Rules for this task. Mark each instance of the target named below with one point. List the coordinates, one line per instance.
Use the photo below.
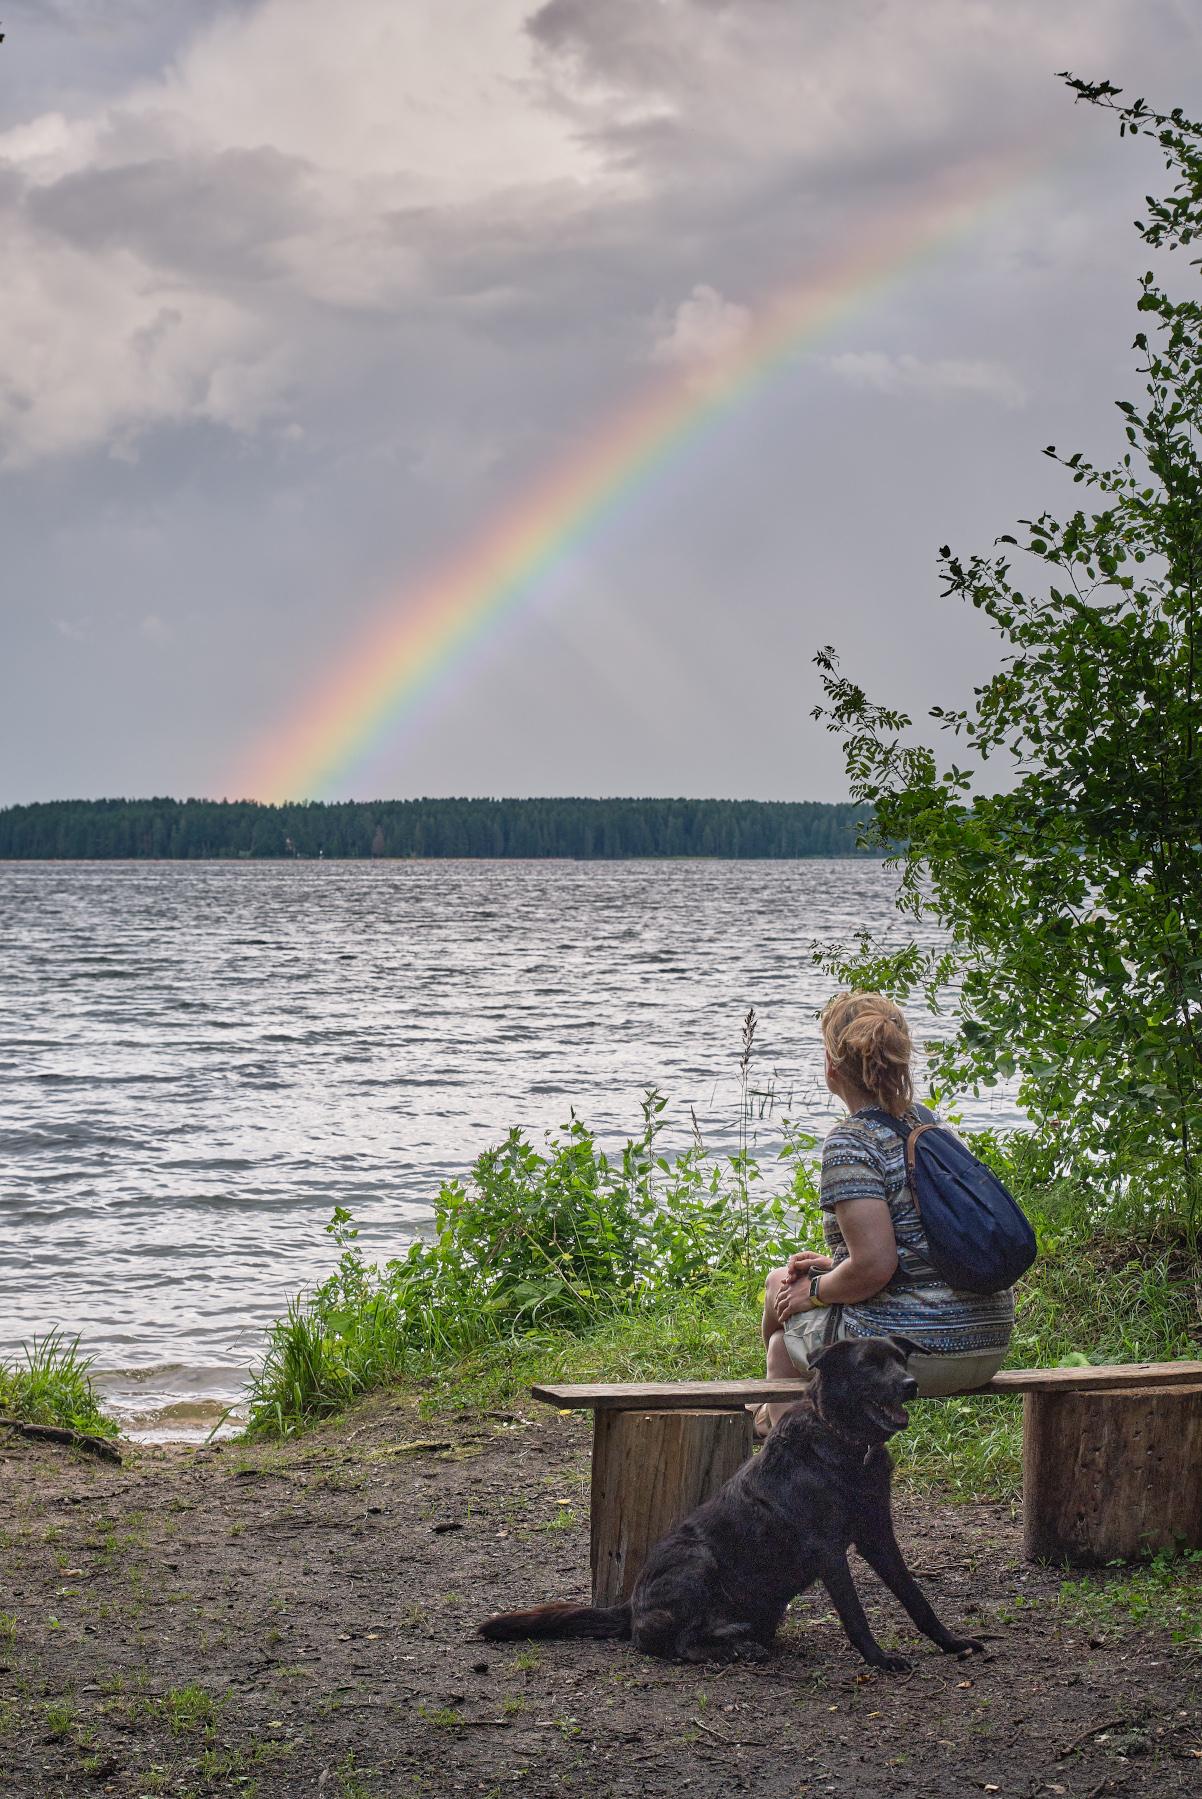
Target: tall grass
(539, 1250)
(566, 1264)
(51, 1383)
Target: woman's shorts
(808, 1332)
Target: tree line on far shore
(587, 829)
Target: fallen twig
(1093, 1731)
(734, 1742)
(75, 1439)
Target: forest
(583, 829)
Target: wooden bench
(1112, 1459)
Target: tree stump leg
(650, 1469)
(1111, 1476)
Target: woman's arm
(807, 1262)
(867, 1230)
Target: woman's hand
(806, 1262)
(793, 1298)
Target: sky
(302, 303)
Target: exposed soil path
(297, 1620)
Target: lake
(201, 1059)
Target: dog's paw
(891, 1664)
(963, 1647)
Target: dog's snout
(909, 1387)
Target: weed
(190, 1708)
(60, 1718)
(528, 1659)
(446, 1717)
(351, 1778)
(512, 1704)
(53, 1385)
(219, 1764)
(8, 1626)
(1166, 1594)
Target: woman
(877, 1280)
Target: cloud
(171, 245)
(725, 83)
(204, 244)
(703, 328)
(911, 374)
(98, 343)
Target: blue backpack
(978, 1237)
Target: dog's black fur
(719, 1583)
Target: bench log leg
(650, 1469)
(1111, 1476)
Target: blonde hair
(868, 1039)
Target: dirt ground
(266, 1620)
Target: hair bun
(867, 1037)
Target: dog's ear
(907, 1347)
(813, 1358)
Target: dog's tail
(563, 1619)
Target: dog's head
(860, 1386)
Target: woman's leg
(781, 1366)
(772, 1287)
(779, 1363)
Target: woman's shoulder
(855, 1132)
(869, 1128)
(850, 1144)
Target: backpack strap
(909, 1135)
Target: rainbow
(402, 660)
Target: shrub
(535, 1244)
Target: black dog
(719, 1583)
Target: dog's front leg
(879, 1547)
(836, 1578)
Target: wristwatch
(816, 1298)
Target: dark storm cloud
(299, 297)
(217, 216)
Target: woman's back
(863, 1159)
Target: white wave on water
(174, 1402)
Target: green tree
(1072, 896)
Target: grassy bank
(566, 1264)
(51, 1384)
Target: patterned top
(864, 1159)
